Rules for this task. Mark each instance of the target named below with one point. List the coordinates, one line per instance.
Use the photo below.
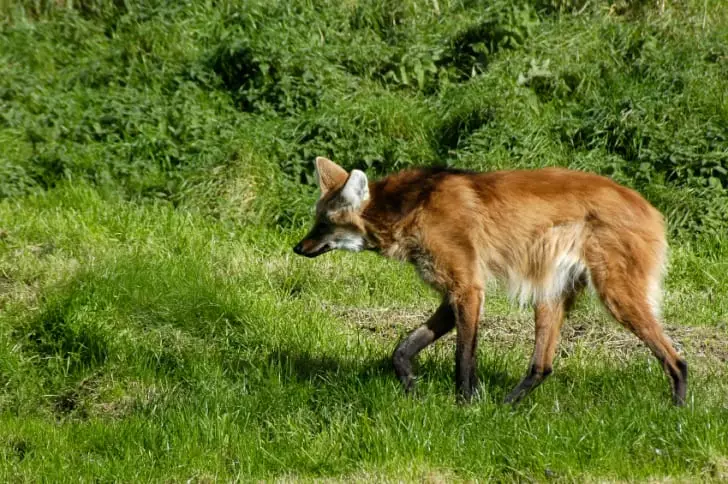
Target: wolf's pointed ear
(356, 189)
(329, 175)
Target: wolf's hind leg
(549, 317)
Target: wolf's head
(338, 223)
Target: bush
(155, 100)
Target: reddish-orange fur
(547, 233)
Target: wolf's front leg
(438, 325)
(467, 305)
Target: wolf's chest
(423, 262)
(426, 269)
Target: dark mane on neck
(397, 195)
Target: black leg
(438, 325)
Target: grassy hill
(156, 167)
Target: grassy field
(156, 163)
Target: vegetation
(156, 168)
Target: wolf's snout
(298, 249)
(311, 248)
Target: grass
(150, 343)
(156, 171)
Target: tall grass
(148, 98)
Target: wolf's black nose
(297, 249)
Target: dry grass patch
(704, 345)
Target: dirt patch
(390, 324)
(134, 396)
(102, 396)
(427, 476)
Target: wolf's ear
(356, 189)
(329, 175)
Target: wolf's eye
(321, 228)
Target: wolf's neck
(388, 216)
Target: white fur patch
(349, 241)
(654, 284)
(567, 270)
(564, 267)
(356, 189)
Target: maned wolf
(546, 233)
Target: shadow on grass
(300, 366)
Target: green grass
(150, 343)
(155, 171)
